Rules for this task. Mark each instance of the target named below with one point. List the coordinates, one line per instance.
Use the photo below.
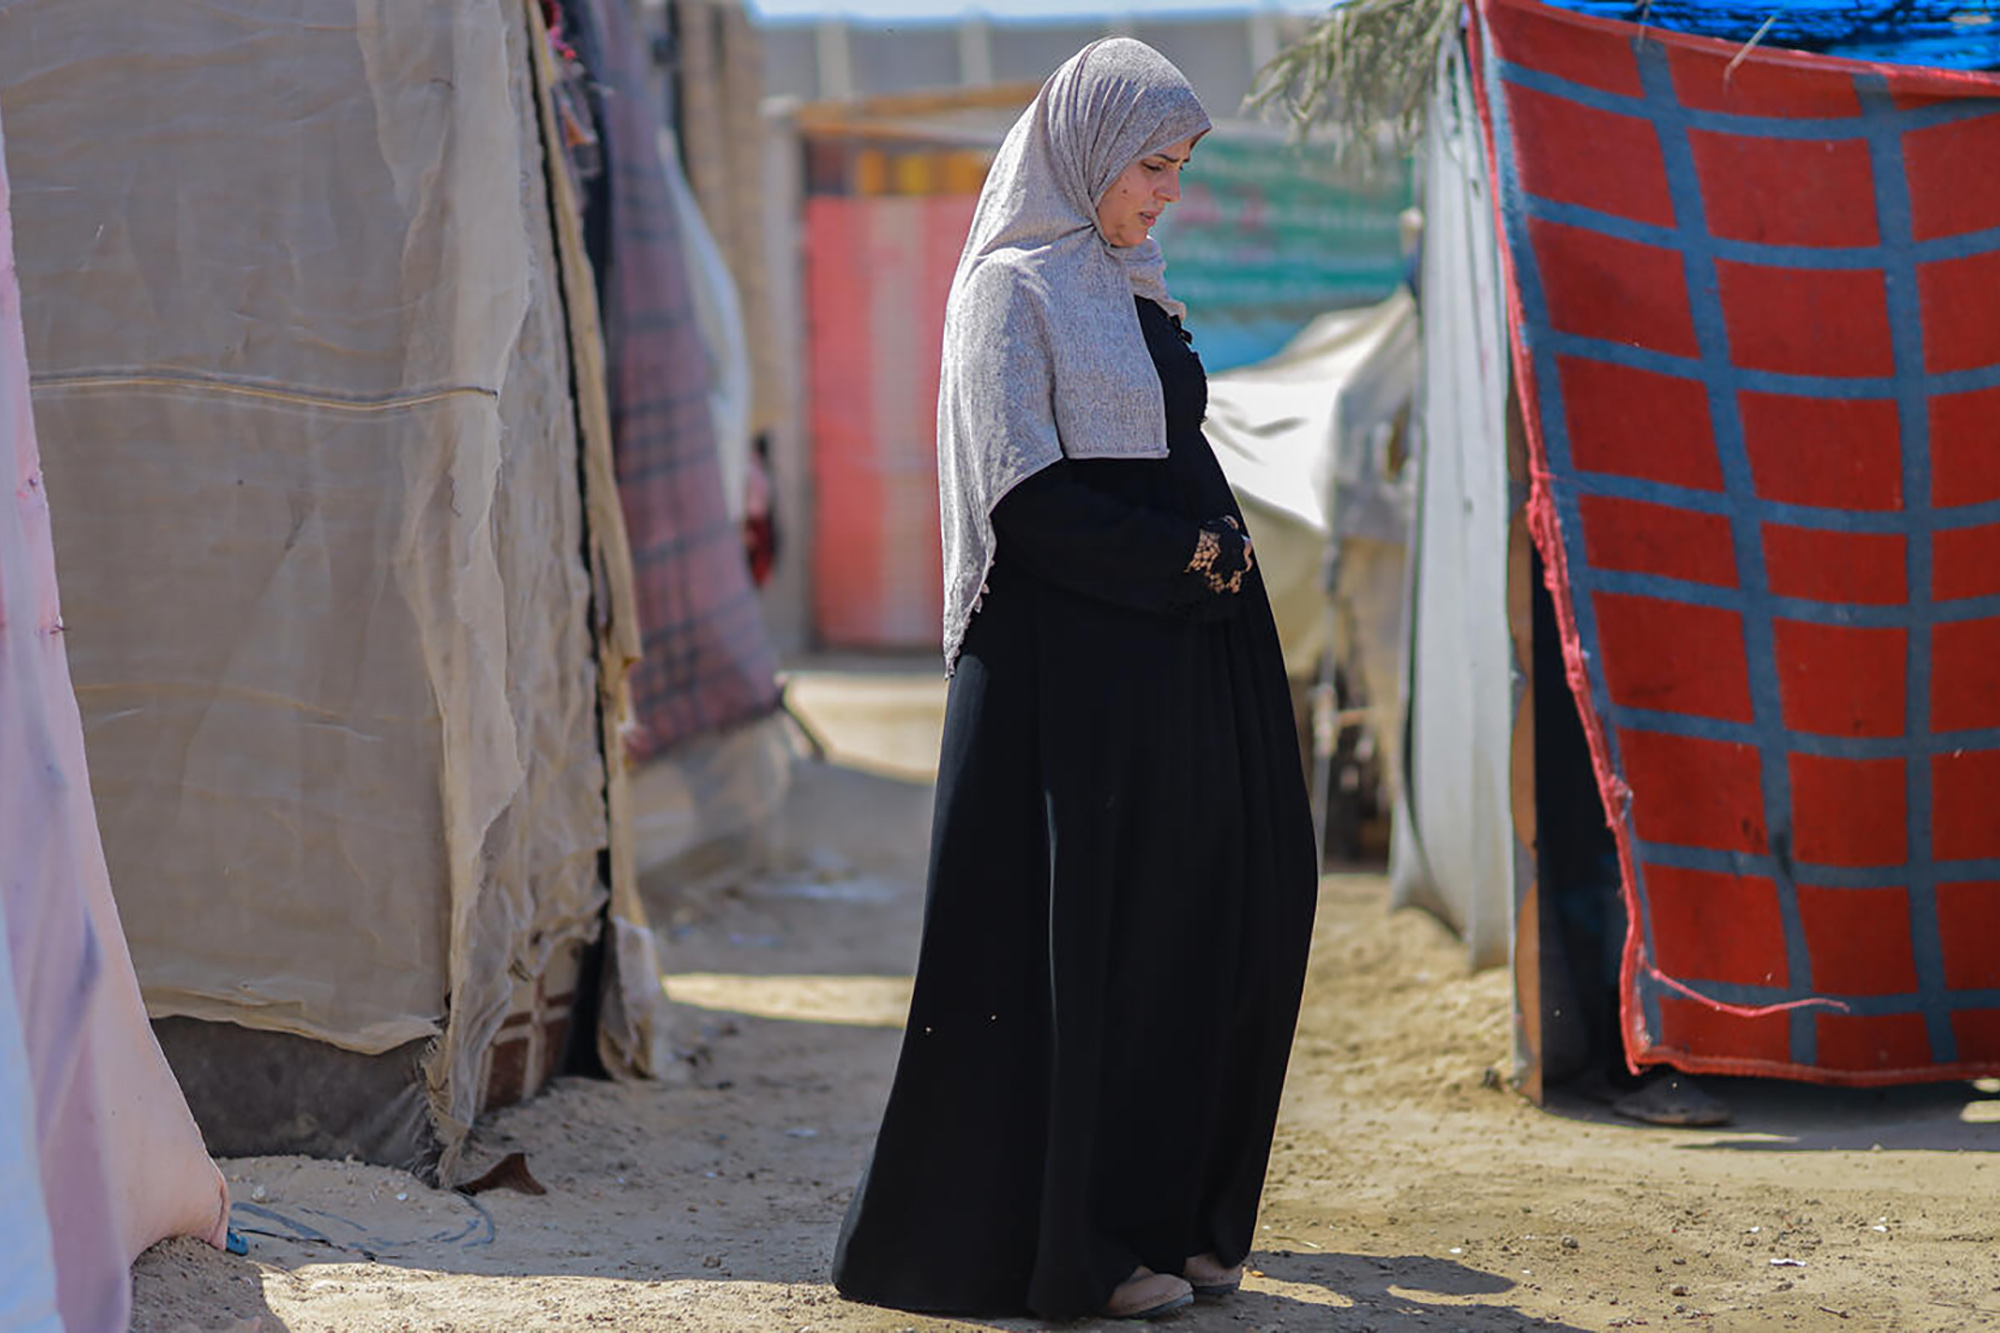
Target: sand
(1410, 1187)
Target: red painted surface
(878, 270)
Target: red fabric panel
(1838, 954)
(1674, 656)
(1841, 680)
(1717, 786)
(1694, 1028)
(1636, 423)
(1623, 174)
(1965, 562)
(1765, 190)
(1849, 812)
(1867, 568)
(1969, 924)
(1860, 940)
(1965, 447)
(1965, 679)
(1947, 199)
(1643, 538)
(1873, 1042)
(1708, 78)
(1593, 55)
(1835, 453)
(1965, 805)
(1806, 321)
(1961, 318)
(1715, 927)
(1621, 291)
(1977, 1032)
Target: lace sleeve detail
(1207, 550)
(1221, 555)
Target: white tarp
(719, 314)
(1454, 845)
(99, 1157)
(1302, 439)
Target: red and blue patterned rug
(1756, 320)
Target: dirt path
(1407, 1190)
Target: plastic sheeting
(719, 315)
(1303, 439)
(302, 366)
(1454, 851)
(98, 1155)
(1943, 34)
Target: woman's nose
(1170, 188)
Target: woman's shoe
(1148, 1295)
(1205, 1273)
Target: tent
(1744, 412)
(349, 604)
(99, 1157)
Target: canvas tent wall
(1456, 849)
(99, 1157)
(1750, 427)
(349, 608)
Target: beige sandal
(1148, 1295)
(1205, 1273)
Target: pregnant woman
(1122, 870)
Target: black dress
(1121, 894)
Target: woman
(1122, 866)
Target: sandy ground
(1409, 1189)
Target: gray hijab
(1043, 357)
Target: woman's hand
(1249, 555)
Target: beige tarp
(302, 367)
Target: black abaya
(1120, 898)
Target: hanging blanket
(1755, 302)
(708, 658)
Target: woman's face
(1143, 191)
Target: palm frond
(1361, 74)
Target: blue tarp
(1943, 34)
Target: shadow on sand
(1776, 1115)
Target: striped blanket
(708, 658)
